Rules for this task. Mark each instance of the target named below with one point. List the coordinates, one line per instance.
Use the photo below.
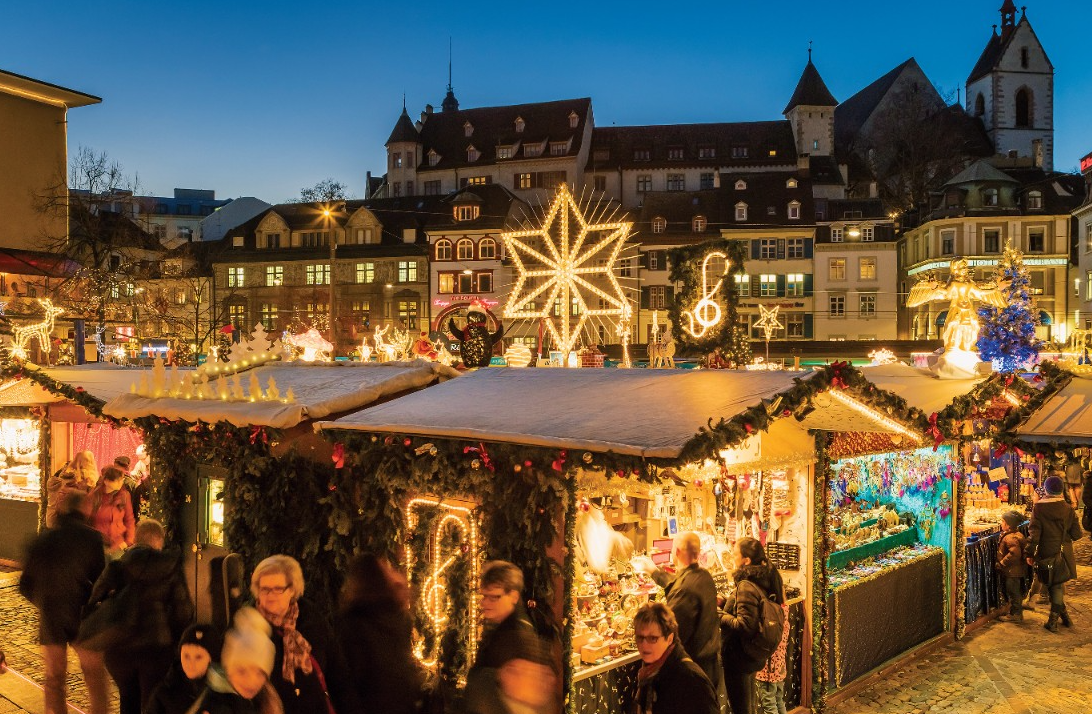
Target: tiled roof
(445, 132)
(811, 90)
(995, 47)
(851, 115)
(620, 147)
(404, 130)
(824, 171)
(978, 172)
(497, 205)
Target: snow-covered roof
(643, 412)
(101, 380)
(920, 388)
(25, 393)
(1066, 417)
(320, 389)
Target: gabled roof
(853, 113)
(404, 130)
(758, 137)
(991, 53)
(495, 203)
(810, 91)
(979, 172)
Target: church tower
(810, 111)
(1011, 89)
(403, 154)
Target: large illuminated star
(565, 265)
(769, 323)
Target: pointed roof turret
(450, 103)
(1008, 17)
(811, 90)
(404, 130)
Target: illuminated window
(446, 283)
(269, 316)
(487, 249)
(407, 313)
(236, 278)
(465, 249)
(237, 316)
(407, 271)
(794, 285)
(837, 268)
(867, 268)
(274, 276)
(443, 249)
(365, 272)
(659, 224)
(466, 213)
(318, 274)
(767, 286)
(698, 224)
(743, 285)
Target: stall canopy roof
(919, 388)
(1066, 417)
(320, 390)
(641, 412)
(25, 393)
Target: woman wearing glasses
(669, 682)
(309, 671)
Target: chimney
(428, 109)
(716, 179)
(873, 190)
(409, 235)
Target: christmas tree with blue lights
(1007, 334)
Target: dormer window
(520, 125)
(675, 153)
(532, 149)
(1035, 200)
(601, 154)
(707, 152)
(772, 153)
(791, 183)
(559, 148)
(468, 129)
(574, 120)
(794, 210)
(466, 212)
(698, 224)
(472, 154)
(504, 152)
(741, 211)
(741, 185)
(989, 197)
(659, 224)
(642, 154)
(433, 158)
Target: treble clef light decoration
(706, 313)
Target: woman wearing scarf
(1054, 527)
(669, 682)
(309, 671)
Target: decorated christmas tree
(1007, 335)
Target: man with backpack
(752, 622)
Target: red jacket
(112, 515)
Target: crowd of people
(105, 584)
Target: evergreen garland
(728, 335)
(1007, 335)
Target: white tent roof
(320, 389)
(100, 380)
(1066, 417)
(918, 387)
(642, 412)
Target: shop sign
(747, 451)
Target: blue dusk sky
(263, 98)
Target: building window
(314, 239)
(472, 154)
(675, 153)
(532, 150)
(574, 120)
(466, 282)
(947, 242)
(794, 211)
(989, 197)
(365, 273)
(657, 297)
(625, 268)
(698, 224)
(407, 271)
(601, 154)
(236, 277)
(659, 224)
(407, 313)
(772, 153)
(559, 148)
(1023, 108)
(485, 281)
(868, 305)
(445, 283)
(794, 324)
(361, 308)
(868, 233)
(317, 311)
(991, 241)
(767, 248)
(741, 211)
(274, 276)
(318, 274)
(642, 154)
(396, 189)
(837, 305)
(365, 236)
(487, 249)
(706, 181)
(396, 160)
(676, 182)
(599, 183)
(655, 260)
(237, 316)
(837, 269)
(743, 285)
(739, 152)
(795, 248)
(794, 285)
(237, 241)
(464, 249)
(1088, 285)
(159, 231)
(767, 286)
(466, 213)
(644, 183)
(1036, 240)
(1087, 237)
(741, 185)
(836, 234)
(1035, 200)
(443, 249)
(707, 152)
(432, 188)
(269, 316)
(504, 152)
(866, 268)
(433, 158)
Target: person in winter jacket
(112, 512)
(527, 681)
(755, 578)
(80, 474)
(155, 610)
(376, 634)
(185, 680)
(1054, 527)
(60, 567)
(309, 673)
(669, 682)
(1010, 564)
(241, 684)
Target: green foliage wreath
(728, 335)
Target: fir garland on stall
(820, 646)
(686, 271)
(960, 551)
(14, 370)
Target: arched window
(741, 211)
(443, 249)
(659, 224)
(487, 249)
(698, 224)
(464, 249)
(1023, 108)
(979, 105)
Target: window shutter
(808, 329)
(756, 286)
(780, 286)
(669, 296)
(807, 285)
(642, 260)
(646, 292)
(809, 249)
(780, 248)
(755, 249)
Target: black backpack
(771, 626)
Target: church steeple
(450, 103)
(810, 112)
(1008, 18)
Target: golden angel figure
(961, 324)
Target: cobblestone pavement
(1002, 668)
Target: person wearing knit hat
(1054, 486)
(241, 682)
(1054, 527)
(1011, 564)
(185, 681)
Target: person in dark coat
(60, 567)
(692, 597)
(506, 622)
(376, 634)
(740, 619)
(309, 671)
(155, 610)
(527, 682)
(1054, 527)
(669, 682)
(1011, 564)
(185, 680)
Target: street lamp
(327, 215)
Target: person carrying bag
(1054, 527)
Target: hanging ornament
(587, 457)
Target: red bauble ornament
(407, 442)
(749, 428)
(528, 463)
(465, 547)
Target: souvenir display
(20, 475)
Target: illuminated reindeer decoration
(21, 335)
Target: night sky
(265, 98)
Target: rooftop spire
(450, 103)
(1008, 17)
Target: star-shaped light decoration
(566, 263)
(768, 322)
